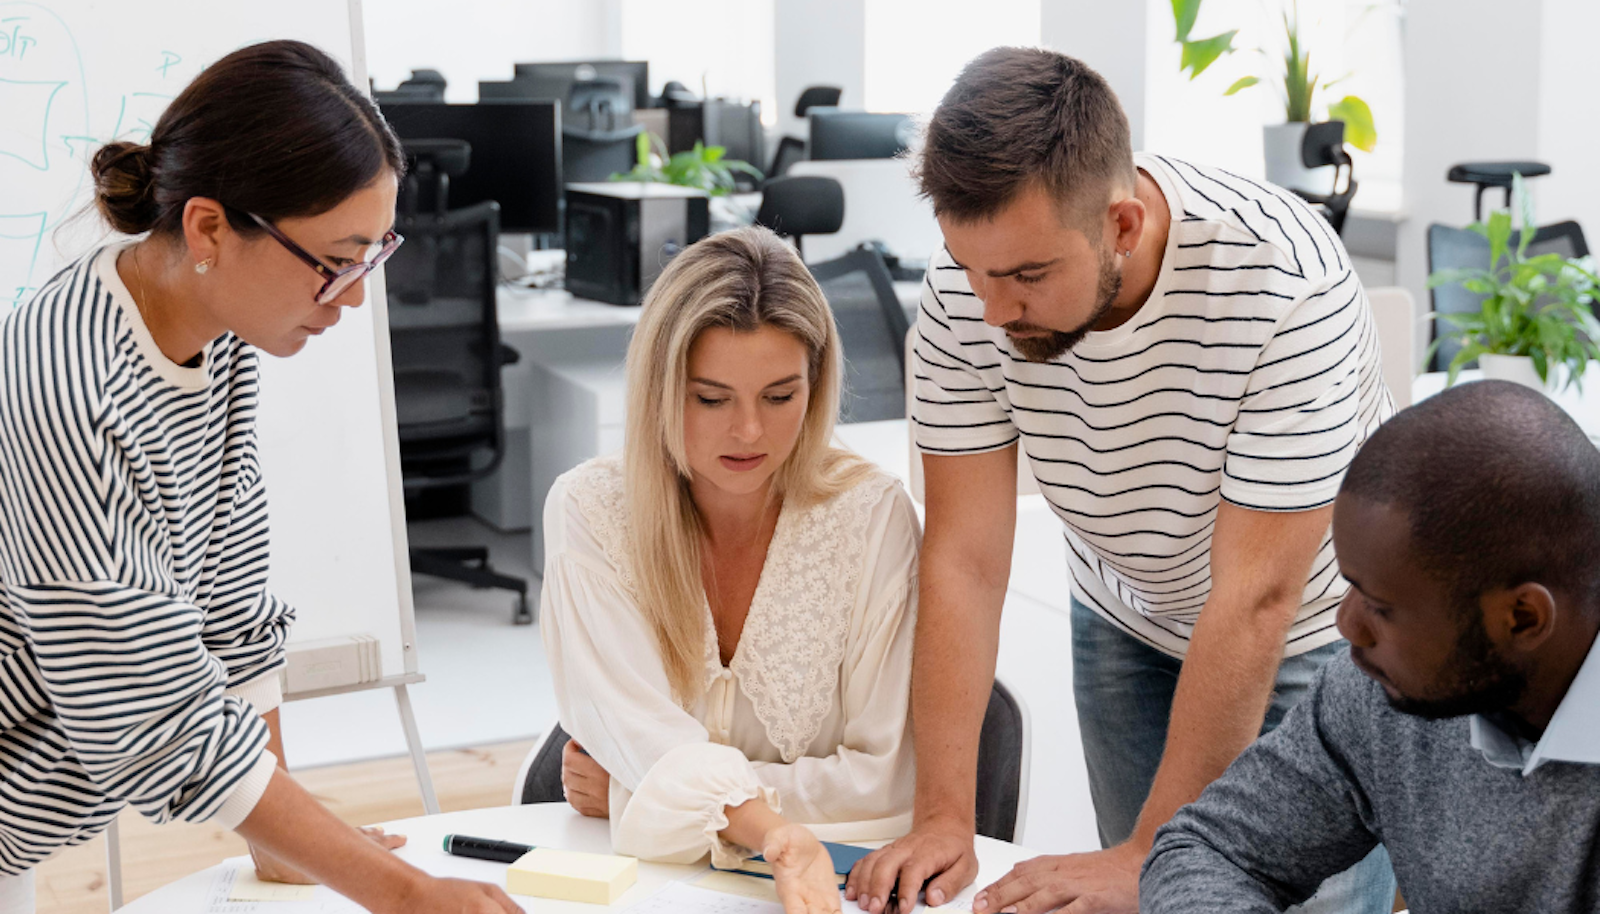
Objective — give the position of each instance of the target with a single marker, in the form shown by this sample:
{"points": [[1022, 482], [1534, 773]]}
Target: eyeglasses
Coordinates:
{"points": [[335, 282]]}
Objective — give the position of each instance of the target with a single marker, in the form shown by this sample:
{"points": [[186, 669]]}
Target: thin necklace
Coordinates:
{"points": [[139, 275]]}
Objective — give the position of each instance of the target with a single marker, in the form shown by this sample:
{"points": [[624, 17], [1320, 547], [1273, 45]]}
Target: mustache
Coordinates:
{"points": [[1016, 328]]}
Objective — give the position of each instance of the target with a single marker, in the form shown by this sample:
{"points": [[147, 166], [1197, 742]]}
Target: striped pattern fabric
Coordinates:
{"points": [[133, 567], [1251, 374]]}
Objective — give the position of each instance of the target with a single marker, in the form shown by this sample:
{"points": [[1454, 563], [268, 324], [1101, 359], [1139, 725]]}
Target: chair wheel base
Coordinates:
{"points": [[520, 614]]}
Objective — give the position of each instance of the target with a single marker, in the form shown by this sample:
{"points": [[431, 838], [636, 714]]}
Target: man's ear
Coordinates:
{"points": [[1125, 222], [1520, 619]]}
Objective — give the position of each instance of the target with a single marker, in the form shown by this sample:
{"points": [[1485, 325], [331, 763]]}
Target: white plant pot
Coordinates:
{"points": [[1280, 143], [1518, 369]]}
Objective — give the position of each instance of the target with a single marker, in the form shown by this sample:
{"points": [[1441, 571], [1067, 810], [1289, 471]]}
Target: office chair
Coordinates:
{"points": [[872, 323], [1323, 146], [598, 135], [817, 97], [445, 344], [790, 150], [801, 205], [421, 86], [1004, 754], [1456, 249], [1484, 175]]}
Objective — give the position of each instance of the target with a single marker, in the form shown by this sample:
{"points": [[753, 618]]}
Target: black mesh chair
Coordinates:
{"points": [[1323, 147], [1459, 249], [1003, 764], [872, 327], [1484, 175], [598, 135], [445, 345], [802, 205]]}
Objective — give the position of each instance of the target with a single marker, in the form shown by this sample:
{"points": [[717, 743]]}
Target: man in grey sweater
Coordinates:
{"points": [[1462, 731]]}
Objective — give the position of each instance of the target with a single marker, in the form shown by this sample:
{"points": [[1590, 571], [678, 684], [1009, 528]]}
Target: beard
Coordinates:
{"points": [[1051, 344], [1477, 680]]}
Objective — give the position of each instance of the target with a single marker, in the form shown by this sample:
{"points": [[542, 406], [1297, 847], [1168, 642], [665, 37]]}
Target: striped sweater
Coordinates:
{"points": [[138, 642]]}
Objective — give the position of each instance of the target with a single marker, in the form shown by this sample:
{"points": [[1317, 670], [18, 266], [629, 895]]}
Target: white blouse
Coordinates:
{"points": [[812, 714]]}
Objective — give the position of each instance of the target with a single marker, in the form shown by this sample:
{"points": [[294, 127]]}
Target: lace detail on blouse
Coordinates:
{"points": [[794, 637], [788, 658]]}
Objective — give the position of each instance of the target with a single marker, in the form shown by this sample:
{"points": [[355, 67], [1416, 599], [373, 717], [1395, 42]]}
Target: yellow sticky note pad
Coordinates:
{"points": [[571, 876], [246, 887]]}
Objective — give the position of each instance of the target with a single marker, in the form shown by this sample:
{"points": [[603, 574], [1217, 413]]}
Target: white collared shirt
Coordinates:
{"points": [[1573, 734]]}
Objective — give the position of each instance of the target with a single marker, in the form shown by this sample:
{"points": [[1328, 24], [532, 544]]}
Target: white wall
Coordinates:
{"points": [[1471, 96], [474, 40], [1569, 115], [1109, 37], [819, 42]]}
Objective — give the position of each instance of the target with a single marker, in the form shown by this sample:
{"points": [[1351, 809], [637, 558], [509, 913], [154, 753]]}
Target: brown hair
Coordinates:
{"points": [[1019, 118], [273, 129]]}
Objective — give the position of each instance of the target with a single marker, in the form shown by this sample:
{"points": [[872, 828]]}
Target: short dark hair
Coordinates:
{"points": [[1023, 117], [1500, 486], [273, 129]]}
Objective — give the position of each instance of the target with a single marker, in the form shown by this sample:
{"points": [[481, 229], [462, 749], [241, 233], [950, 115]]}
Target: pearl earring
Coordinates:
{"points": [[1128, 253], [202, 267]]}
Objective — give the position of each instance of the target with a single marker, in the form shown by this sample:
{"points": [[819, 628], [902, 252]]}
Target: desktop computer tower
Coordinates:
{"points": [[620, 236]]}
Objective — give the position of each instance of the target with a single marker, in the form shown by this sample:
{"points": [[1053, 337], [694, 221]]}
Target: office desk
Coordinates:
{"points": [[550, 825], [563, 399]]}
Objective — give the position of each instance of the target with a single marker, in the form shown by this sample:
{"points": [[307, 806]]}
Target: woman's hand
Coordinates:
{"points": [[587, 786], [270, 868], [802, 869]]}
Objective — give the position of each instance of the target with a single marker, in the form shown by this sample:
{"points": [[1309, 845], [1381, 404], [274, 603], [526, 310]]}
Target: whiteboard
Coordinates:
{"points": [[77, 73]]}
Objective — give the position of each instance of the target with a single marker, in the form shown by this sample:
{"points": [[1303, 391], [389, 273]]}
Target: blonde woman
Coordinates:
{"points": [[728, 608]]}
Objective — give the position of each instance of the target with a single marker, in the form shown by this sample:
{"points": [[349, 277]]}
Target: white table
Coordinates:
{"points": [[551, 825]]}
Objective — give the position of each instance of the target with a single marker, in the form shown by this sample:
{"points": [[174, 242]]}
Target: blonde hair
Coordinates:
{"points": [[741, 280]]}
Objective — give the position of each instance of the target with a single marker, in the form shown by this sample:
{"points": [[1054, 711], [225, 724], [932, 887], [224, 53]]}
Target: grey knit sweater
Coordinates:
{"points": [[1344, 772]]}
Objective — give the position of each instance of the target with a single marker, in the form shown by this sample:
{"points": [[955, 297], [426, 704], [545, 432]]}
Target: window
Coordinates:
{"points": [[726, 50], [1354, 41], [915, 48]]}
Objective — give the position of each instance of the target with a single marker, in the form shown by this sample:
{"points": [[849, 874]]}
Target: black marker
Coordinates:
{"points": [[485, 848]]}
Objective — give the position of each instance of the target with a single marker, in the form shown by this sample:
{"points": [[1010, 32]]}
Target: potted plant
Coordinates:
{"points": [[1535, 325], [702, 167], [1298, 86]]}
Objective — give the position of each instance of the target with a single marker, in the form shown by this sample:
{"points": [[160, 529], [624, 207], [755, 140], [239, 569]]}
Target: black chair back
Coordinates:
{"points": [[817, 97], [802, 205], [445, 343], [1323, 147], [1452, 248], [872, 327]]}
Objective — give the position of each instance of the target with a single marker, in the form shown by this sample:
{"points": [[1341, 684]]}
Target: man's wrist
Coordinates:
{"points": [[945, 819]]}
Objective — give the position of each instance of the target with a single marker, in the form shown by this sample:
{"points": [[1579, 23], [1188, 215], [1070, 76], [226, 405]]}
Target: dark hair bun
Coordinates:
{"points": [[124, 185]]}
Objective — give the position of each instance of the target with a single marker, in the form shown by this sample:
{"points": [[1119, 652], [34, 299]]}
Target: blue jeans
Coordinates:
{"points": [[1124, 695]]}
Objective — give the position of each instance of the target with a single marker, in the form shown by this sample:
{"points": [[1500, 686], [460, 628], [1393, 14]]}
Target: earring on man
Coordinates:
{"points": [[1128, 253], [202, 266]]}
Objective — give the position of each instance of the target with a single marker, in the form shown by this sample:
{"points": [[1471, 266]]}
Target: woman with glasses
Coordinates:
{"points": [[139, 647]]}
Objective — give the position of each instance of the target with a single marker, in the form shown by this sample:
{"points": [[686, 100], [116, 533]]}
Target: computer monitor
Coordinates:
{"points": [[736, 126], [554, 79], [516, 156], [511, 91], [840, 134]]}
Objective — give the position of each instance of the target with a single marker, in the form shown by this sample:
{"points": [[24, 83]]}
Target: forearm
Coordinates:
{"points": [[1220, 702], [291, 824], [749, 824], [958, 637]]}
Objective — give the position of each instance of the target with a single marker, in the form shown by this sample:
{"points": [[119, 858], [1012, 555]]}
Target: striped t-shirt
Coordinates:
{"points": [[138, 642], [1251, 374]]}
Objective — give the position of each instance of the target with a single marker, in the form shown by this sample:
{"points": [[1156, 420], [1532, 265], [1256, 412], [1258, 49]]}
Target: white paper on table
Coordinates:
{"points": [[679, 898], [323, 899]]}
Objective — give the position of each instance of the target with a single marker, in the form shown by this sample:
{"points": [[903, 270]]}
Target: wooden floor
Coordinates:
{"points": [[74, 882]]}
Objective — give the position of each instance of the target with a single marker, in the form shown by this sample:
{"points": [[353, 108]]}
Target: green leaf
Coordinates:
{"points": [[1202, 53], [1244, 82], [1359, 130], [1184, 13]]}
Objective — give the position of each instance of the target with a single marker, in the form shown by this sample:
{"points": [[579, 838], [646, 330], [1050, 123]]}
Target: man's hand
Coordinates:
{"points": [[270, 868], [587, 786], [1102, 882], [940, 849]]}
